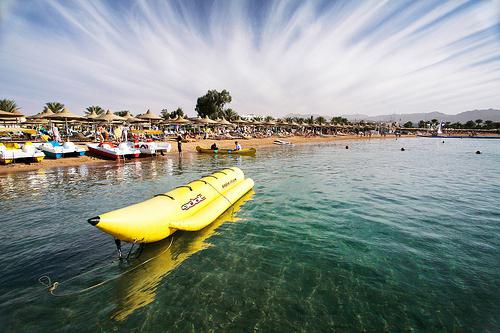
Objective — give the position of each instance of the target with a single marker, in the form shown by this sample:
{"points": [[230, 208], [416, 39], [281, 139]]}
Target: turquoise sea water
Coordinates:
{"points": [[370, 238]]}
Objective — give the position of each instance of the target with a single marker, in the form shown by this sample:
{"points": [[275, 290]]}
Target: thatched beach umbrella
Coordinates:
{"points": [[205, 121], [64, 115], [179, 121], [109, 117], [224, 122], [149, 116], [92, 115], [15, 114], [131, 119], [239, 121], [269, 123]]}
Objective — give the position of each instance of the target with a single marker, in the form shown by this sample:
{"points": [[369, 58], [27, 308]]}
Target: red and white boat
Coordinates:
{"points": [[110, 150], [150, 147]]}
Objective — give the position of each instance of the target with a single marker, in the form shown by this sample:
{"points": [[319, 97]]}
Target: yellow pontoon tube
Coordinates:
{"points": [[190, 207]]}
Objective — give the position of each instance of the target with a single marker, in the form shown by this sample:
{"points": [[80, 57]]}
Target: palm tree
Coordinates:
{"points": [[268, 118], [121, 113], [55, 107], [229, 114], [97, 109], [8, 105]]}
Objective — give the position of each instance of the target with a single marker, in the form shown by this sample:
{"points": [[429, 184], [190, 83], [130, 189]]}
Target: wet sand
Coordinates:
{"points": [[189, 147]]}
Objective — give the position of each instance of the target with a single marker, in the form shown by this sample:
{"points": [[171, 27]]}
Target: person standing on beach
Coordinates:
{"points": [[124, 137], [237, 146], [179, 143]]}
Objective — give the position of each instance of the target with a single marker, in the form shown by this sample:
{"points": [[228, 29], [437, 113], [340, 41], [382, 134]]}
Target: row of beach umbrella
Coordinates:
{"points": [[149, 116]]}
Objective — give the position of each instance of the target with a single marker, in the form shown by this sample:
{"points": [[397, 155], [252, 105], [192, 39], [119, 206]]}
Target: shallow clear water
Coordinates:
{"points": [[370, 238]]}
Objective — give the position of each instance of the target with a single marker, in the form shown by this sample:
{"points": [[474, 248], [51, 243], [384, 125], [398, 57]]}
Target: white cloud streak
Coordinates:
{"points": [[370, 57]]}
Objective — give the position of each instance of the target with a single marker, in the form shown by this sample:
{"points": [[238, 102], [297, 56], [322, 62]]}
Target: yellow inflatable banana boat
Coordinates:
{"points": [[190, 207], [138, 289]]}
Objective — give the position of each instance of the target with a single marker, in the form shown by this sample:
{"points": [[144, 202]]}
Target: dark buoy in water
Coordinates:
{"points": [[402, 149], [443, 141], [478, 152], [346, 147]]}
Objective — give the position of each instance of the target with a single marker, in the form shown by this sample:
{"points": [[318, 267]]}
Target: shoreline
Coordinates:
{"points": [[189, 147]]}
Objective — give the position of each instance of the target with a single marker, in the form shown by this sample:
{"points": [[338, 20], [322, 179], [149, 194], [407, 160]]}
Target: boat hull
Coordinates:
{"points": [[246, 151], [113, 153], [10, 152]]}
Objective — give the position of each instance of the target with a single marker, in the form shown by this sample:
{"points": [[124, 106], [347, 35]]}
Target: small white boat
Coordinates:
{"points": [[150, 148], [54, 149], [282, 143], [9, 152], [110, 150]]}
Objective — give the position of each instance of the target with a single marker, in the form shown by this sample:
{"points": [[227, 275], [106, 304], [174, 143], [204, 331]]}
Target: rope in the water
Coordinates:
{"points": [[46, 281]]}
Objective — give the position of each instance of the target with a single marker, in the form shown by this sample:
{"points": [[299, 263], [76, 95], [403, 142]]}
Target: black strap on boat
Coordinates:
{"points": [[222, 172], [164, 195], [210, 176], [199, 180], [189, 187]]}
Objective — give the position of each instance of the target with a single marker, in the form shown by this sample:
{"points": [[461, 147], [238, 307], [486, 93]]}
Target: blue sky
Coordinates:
{"points": [[275, 57]]}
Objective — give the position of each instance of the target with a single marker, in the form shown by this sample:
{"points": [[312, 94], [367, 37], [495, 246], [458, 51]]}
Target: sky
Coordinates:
{"points": [[274, 57]]}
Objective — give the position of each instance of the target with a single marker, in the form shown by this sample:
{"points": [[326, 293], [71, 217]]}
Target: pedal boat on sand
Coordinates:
{"points": [[10, 152], [150, 148], [246, 151], [110, 150], [190, 207], [54, 149]]}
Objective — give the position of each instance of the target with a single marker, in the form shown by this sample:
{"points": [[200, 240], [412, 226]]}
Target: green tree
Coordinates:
{"points": [[339, 120], [408, 124], [165, 114], [212, 103], [434, 122], [268, 119], [95, 108], [55, 107], [422, 124], [488, 124], [470, 124], [8, 105], [177, 113], [479, 122]]}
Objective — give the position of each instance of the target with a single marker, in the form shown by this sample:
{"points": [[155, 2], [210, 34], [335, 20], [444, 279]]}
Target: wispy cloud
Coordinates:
{"points": [[275, 57]]}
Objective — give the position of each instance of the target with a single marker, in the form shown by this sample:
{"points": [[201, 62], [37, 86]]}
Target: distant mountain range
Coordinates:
{"points": [[462, 117]]}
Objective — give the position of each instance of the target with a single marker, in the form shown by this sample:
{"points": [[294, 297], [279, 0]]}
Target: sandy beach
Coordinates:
{"points": [[189, 147]]}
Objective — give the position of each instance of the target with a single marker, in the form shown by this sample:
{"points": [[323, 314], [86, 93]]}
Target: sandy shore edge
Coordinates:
{"points": [[189, 147]]}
